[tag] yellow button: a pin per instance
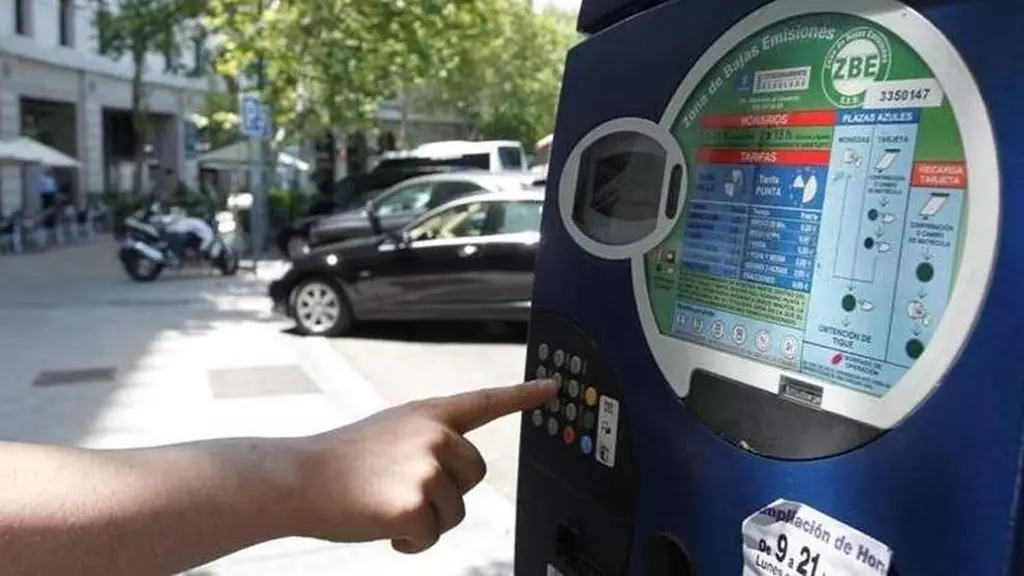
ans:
(590, 396)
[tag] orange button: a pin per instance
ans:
(569, 435)
(590, 396)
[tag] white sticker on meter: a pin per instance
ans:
(789, 539)
(607, 431)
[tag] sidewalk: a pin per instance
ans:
(197, 358)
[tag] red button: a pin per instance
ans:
(569, 435)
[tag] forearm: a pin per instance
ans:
(135, 512)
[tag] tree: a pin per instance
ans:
(333, 62)
(506, 73)
(136, 28)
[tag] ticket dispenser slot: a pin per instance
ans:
(788, 425)
(576, 465)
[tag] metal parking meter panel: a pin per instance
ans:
(779, 295)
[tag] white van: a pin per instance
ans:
(493, 155)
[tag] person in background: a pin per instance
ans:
(47, 188)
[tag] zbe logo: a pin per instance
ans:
(855, 61)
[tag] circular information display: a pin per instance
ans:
(826, 205)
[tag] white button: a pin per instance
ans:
(555, 405)
(553, 426)
(698, 325)
(559, 358)
(575, 364)
(739, 334)
(538, 418)
(543, 351)
(542, 372)
(558, 380)
(763, 341)
(574, 388)
(570, 412)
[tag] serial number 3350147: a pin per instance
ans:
(905, 95)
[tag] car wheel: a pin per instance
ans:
(320, 308)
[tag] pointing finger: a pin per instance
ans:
(471, 410)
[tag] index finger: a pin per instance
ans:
(470, 410)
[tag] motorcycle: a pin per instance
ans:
(155, 241)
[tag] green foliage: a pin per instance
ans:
(506, 74)
(138, 27)
(330, 63)
(285, 206)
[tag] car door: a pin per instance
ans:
(508, 251)
(435, 268)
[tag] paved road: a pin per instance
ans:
(405, 361)
(89, 358)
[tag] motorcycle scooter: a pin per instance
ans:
(152, 243)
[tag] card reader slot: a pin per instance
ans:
(772, 425)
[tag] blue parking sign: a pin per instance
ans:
(255, 117)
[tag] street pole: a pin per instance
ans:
(257, 172)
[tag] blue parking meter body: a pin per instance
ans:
(779, 284)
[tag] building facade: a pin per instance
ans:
(56, 87)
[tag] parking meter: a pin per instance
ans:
(779, 286)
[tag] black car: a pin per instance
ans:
(396, 207)
(471, 259)
(349, 193)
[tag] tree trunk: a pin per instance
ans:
(139, 123)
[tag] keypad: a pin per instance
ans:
(571, 418)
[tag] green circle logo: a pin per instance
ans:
(856, 60)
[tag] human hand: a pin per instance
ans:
(401, 474)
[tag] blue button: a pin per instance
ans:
(587, 445)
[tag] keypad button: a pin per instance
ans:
(543, 351)
(571, 411)
(573, 389)
(542, 372)
(569, 435)
(553, 426)
(538, 418)
(555, 405)
(559, 358)
(558, 380)
(586, 445)
(590, 396)
(575, 364)
(589, 419)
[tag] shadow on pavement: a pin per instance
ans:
(442, 332)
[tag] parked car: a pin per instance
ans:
(394, 208)
(492, 155)
(471, 259)
(353, 192)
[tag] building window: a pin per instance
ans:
(67, 23)
(23, 17)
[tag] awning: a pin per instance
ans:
(22, 149)
(237, 156)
